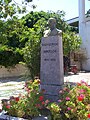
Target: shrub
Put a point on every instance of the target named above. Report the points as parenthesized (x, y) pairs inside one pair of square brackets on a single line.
[(55, 111), (9, 57), (75, 102), (29, 105)]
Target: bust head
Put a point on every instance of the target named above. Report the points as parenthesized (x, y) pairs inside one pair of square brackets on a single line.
[(52, 31), (52, 23)]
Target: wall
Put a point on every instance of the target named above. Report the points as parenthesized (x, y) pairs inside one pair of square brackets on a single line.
[(17, 71), (86, 43)]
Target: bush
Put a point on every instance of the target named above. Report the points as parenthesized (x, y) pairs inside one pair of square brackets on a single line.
[(74, 103), (29, 105), (9, 57)]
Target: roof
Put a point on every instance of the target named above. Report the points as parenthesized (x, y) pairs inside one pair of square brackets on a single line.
[(73, 22)]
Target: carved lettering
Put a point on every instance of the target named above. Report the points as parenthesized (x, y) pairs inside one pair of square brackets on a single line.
[(53, 59), (46, 59), (49, 44), (49, 51)]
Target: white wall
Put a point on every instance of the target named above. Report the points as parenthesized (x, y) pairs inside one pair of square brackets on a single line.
[(84, 32), (86, 44)]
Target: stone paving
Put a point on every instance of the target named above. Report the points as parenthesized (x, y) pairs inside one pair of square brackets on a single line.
[(11, 87), (85, 76)]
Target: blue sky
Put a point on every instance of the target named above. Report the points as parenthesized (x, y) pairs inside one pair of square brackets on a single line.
[(70, 7)]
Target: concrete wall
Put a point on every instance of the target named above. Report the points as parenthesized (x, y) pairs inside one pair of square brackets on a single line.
[(84, 31), (85, 34), (17, 71)]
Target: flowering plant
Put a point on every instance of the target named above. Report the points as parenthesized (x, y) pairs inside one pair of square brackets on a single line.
[(35, 98), (28, 105), (13, 106), (75, 102), (55, 111)]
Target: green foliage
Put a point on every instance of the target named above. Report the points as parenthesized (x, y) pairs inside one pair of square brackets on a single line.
[(11, 43), (9, 57), (55, 111), (75, 102), (71, 42), (10, 8), (32, 48), (28, 105), (23, 38)]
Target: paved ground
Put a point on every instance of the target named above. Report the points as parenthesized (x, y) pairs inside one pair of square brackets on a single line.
[(14, 86), (11, 87), (85, 76)]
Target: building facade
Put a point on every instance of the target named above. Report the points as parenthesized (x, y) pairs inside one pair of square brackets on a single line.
[(83, 22)]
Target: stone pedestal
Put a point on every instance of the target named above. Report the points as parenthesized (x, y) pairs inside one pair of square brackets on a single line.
[(51, 71)]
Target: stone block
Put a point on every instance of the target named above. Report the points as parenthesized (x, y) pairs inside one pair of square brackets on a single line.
[(51, 71), (51, 89)]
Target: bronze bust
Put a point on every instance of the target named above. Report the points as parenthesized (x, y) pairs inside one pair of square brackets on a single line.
[(52, 31)]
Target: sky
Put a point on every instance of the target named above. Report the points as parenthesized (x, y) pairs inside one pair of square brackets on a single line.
[(70, 7)]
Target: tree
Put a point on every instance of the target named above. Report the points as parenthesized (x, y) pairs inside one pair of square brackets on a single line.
[(11, 7), (10, 44), (20, 38), (71, 42)]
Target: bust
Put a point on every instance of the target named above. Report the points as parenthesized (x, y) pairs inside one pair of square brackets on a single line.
[(52, 31)]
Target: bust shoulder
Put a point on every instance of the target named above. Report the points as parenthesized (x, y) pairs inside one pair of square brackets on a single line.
[(54, 32), (58, 31), (47, 32)]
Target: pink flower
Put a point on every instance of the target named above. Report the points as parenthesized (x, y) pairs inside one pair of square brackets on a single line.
[(59, 100), (83, 82), (68, 108), (65, 89), (60, 91), (82, 95), (47, 101), (82, 91), (67, 98)]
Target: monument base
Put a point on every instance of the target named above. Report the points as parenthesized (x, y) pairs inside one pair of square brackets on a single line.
[(51, 70), (51, 92), (51, 98)]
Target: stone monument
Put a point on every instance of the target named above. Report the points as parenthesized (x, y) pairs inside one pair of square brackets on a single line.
[(51, 70)]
